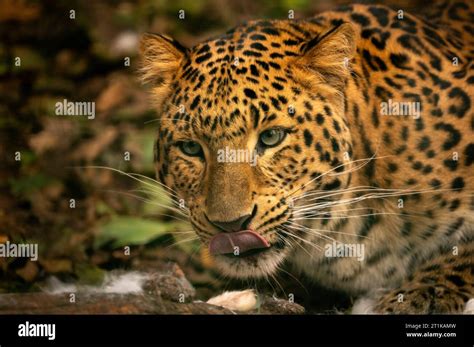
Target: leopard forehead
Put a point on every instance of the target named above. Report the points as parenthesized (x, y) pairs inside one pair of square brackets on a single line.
[(261, 44), (251, 59), (242, 80)]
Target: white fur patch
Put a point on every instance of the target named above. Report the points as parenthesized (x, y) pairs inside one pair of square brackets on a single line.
[(55, 286), (130, 282), (469, 308), (363, 306), (240, 301)]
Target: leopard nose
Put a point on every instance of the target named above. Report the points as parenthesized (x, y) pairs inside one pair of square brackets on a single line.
[(238, 224)]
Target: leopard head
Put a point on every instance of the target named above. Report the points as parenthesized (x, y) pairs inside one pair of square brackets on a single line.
[(248, 122)]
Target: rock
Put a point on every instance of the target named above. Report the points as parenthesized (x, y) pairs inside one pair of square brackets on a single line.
[(165, 290), (171, 284), (99, 303), (272, 305)]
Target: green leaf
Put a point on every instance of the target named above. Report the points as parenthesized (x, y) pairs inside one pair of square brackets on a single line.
[(130, 231), (89, 274), (143, 142), (102, 208), (28, 184)]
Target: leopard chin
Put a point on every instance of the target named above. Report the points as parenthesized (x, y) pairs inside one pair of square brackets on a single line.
[(255, 266)]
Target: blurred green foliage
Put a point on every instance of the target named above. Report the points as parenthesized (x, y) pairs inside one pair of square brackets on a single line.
[(131, 231)]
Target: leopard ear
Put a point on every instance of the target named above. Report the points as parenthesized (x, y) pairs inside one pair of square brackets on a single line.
[(161, 57), (327, 56)]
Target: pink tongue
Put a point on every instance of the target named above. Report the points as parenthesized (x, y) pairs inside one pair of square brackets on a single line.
[(245, 240)]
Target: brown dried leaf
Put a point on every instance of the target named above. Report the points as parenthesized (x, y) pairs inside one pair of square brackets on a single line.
[(89, 150), (56, 265), (57, 134), (18, 10), (28, 272), (112, 96)]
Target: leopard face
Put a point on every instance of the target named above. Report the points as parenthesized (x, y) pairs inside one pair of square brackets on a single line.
[(262, 91)]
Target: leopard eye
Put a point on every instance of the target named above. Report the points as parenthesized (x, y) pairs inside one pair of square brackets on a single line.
[(191, 148), (272, 137)]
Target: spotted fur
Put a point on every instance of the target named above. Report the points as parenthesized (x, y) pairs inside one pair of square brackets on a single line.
[(402, 187)]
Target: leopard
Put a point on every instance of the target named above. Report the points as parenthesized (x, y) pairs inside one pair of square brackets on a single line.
[(361, 120)]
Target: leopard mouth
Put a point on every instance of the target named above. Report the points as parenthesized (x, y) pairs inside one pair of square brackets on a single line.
[(253, 263), (239, 243)]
